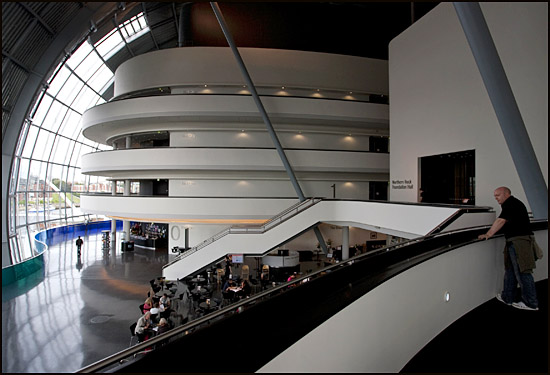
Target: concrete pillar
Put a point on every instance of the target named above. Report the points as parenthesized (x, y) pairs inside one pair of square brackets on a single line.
[(127, 188), (345, 243), (126, 229), (113, 187), (129, 141), (126, 223), (113, 237)]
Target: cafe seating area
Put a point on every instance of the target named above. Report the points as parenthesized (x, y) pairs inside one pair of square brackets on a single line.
[(197, 295)]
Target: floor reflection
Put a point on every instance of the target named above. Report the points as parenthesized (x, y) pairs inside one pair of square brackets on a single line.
[(78, 310)]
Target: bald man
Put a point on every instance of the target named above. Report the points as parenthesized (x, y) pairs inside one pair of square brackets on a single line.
[(519, 251)]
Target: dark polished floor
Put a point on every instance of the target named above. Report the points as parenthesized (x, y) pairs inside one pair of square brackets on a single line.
[(76, 313), (493, 338)]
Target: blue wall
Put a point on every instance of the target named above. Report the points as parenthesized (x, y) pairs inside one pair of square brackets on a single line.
[(52, 236)]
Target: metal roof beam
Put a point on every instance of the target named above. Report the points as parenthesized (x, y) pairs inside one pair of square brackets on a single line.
[(263, 112), (146, 16), (35, 15)]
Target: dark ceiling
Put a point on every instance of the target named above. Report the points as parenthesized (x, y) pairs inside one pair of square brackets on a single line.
[(37, 36)]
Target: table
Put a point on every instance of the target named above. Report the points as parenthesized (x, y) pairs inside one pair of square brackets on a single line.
[(198, 280), (208, 307)]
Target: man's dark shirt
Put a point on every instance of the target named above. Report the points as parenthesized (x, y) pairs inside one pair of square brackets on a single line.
[(517, 218)]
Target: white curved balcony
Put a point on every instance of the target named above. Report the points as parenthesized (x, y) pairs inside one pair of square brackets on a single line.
[(107, 121), (186, 210), (178, 162), (217, 65)]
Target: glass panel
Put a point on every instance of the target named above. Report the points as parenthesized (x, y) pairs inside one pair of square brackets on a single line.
[(110, 44), (71, 124), (56, 180), (136, 25), (84, 150), (60, 150), (134, 187), (79, 55), (75, 157), (13, 177), (30, 141), (70, 89), (24, 246), (104, 185), (78, 182), (59, 81), (89, 66), (35, 206), (22, 137), (37, 175), (22, 203), (101, 78), (86, 97), (12, 209), (43, 147), (55, 116), (14, 249), (23, 174), (42, 110), (142, 22)]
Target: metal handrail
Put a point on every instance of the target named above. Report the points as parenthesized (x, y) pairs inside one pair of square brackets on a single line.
[(121, 357), (271, 223)]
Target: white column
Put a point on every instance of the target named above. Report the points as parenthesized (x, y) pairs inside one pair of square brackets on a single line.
[(126, 229), (126, 223), (113, 238), (129, 141), (345, 243)]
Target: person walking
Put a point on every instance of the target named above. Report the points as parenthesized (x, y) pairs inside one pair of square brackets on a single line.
[(520, 251), (79, 243)]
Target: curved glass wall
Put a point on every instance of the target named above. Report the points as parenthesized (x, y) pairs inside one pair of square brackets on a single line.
[(46, 180)]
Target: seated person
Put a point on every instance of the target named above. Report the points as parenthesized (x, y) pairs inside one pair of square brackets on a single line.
[(155, 311), (246, 289), (148, 304), (292, 277), (163, 326), (228, 284), (143, 331), (165, 301)]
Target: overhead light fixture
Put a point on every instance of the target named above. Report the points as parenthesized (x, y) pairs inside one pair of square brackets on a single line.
[(282, 87)]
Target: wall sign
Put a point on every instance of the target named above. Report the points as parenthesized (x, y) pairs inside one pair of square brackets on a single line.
[(402, 184)]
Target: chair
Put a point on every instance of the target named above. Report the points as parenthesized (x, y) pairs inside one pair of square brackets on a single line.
[(133, 332), (220, 272), (154, 318), (245, 272), (264, 277)]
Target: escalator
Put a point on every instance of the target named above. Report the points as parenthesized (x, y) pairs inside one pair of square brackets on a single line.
[(247, 335)]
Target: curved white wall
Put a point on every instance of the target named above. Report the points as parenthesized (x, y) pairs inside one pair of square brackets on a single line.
[(386, 327), (217, 65)]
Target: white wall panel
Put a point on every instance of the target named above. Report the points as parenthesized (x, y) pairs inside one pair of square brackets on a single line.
[(260, 138), (440, 105), (266, 188)]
